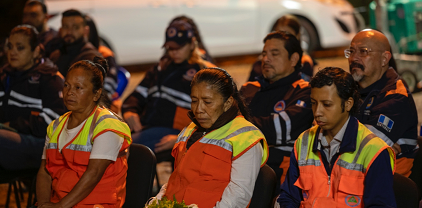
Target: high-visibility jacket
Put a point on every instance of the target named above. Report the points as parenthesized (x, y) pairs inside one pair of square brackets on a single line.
[(345, 186), (67, 167), (202, 173)]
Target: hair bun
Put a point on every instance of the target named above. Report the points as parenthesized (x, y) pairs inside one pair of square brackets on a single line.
[(102, 63)]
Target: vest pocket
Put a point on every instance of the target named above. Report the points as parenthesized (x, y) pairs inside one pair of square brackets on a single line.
[(350, 191), (305, 182), (216, 164)]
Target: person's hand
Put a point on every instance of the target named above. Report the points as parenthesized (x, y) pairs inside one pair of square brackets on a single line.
[(50, 205), (132, 119), (166, 143), (397, 149)]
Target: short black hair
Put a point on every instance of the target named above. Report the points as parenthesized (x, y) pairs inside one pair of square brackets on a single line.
[(344, 82), (74, 13), (37, 3), (291, 44)]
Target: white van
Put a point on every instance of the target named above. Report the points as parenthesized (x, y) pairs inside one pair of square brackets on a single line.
[(135, 28)]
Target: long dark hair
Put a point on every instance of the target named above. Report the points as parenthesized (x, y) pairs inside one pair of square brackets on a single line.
[(220, 80)]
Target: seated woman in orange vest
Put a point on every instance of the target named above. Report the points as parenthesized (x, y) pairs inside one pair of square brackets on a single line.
[(217, 156), (84, 160), (338, 162)]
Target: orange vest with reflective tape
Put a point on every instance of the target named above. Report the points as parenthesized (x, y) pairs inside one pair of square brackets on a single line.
[(345, 186), (67, 167), (202, 173)]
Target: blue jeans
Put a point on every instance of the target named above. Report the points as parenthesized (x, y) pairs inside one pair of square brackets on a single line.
[(20, 151), (151, 136)]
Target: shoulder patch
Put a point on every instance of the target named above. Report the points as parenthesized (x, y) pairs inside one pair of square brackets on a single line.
[(385, 122), (279, 106), (301, 83), (400, 89)]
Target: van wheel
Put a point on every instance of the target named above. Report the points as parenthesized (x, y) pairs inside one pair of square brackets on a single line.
[(410, 79), (308, 35)]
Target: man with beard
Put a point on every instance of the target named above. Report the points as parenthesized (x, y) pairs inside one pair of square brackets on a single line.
[(35, 14), (75, 47), (387, 107), (279, 101)]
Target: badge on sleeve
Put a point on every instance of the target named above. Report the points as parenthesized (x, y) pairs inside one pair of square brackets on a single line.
[(279, 106), (371, 101), (300, 103), (189, 74), (385, 122), (352, 201)]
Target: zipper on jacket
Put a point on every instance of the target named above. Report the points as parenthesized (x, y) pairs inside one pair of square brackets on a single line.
[(329, 185)]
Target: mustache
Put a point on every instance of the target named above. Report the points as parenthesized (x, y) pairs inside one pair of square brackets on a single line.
[(70, 36), (357, 65), (267, 65)]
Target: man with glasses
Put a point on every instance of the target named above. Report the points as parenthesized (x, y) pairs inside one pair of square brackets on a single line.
[(387, 107)]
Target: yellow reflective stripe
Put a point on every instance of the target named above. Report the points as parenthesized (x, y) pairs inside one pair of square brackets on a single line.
[(78, 147), (351, 166), (220, 143), (309, 162), (362, 145), (51, 146), (239, 131)]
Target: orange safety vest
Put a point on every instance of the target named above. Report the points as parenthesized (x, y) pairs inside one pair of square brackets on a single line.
[(202, 173), (67, 167), (345, 186)]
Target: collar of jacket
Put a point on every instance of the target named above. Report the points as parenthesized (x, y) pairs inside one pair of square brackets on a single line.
[(43, 66), (73, 48), (265, 84), (390, 77), (348, 144)]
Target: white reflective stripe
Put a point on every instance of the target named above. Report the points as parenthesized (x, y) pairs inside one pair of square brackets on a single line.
[(78, 147), (152, 90), (173, 100), (110, 81), (284, 148), (142, 90), (51, 146), (277, 129), (47, 119), (219, 143), (176, 93), (1, 103), (380, 134), (407, 141), (1, 93), (108, 87), (286, 118), (25, 98), (51, 113), (309, 162), (11, 102)]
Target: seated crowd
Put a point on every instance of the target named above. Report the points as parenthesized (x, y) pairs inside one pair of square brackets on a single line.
[(333, 139)]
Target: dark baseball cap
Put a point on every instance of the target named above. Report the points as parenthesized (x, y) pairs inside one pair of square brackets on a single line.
[(178, 33)]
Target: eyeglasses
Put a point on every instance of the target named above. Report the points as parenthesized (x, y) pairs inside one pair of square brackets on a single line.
[(362, 52)]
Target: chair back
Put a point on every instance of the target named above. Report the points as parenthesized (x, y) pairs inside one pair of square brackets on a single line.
[(140, 175), (264, 188), (405, 191), (123, 77)]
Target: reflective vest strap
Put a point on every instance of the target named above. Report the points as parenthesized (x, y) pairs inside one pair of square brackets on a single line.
[(304, 146), (221, 143), (362, 145), (309, 162), (239, 131), (351, 166)]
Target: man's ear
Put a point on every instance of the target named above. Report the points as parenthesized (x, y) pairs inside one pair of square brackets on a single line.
[(228, 103), (86, 31), (294, 59), (386, 56), (348, 104), (36, 52)]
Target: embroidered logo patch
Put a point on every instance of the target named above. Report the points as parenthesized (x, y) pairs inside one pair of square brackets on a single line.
[(189, 74), (385, 122), (300, 103), (171, 32), (352, 200), (371, 101), (279, 106)]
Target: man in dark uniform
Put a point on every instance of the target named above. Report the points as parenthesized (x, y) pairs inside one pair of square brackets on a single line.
[(280, 100), (388, 108), (75, 47), (35, 14)]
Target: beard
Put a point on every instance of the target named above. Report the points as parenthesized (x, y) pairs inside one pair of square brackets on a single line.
[(357, 76)]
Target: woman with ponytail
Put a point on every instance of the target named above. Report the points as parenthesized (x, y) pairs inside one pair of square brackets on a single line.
[(217, 156), (84, 161)]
